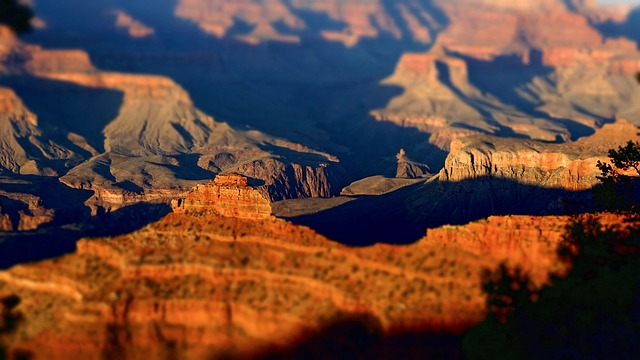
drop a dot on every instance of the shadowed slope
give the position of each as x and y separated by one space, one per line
203 285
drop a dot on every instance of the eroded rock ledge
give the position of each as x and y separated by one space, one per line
569 166
220 276
226 195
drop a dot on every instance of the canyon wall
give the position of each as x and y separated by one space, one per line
226 195
570 166
198 284
362 19
517 68
24 148
132 138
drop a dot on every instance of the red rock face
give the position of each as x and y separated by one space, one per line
226 195
134 27
153 119
568 166
22 212
59 61
218 16
197 284
488 28
362 19
505 40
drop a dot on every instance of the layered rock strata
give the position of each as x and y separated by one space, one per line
226 195
132 138
198 284
361 19
569 166
515 69
409 169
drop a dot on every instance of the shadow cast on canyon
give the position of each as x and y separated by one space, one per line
629 29
55 241
348 336
506 78
360 337
64 108
402 216
50 194
286 90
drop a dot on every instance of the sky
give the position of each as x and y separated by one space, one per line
619 1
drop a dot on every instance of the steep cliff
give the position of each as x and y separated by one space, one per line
197 284
22 212
570 166
515 68
284 180
409 169
226 195
408 20
24 148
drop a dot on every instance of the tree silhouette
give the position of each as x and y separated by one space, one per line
618 191
16 15
625 158
593 312
9 319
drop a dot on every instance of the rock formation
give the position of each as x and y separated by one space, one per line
409 169
24 149
132 138
198 284
22 212
226 195
362 19
508 87
566 69
134 27
569 166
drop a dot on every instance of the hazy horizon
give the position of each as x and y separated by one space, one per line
615 2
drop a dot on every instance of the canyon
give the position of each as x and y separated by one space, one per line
218 276
237 178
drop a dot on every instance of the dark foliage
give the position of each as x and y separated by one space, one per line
625 158
593 312
9 319
618 191
16 15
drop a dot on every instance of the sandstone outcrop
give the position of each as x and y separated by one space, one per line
409 169
226 195
24 149
134 27
5 223
218 16
292 180
22 212
368 19
155 147
57 61
569 166
566 69
197 284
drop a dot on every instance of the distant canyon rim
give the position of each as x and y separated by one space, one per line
146 140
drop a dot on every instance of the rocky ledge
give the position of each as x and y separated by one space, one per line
221 277
226 195
569 166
